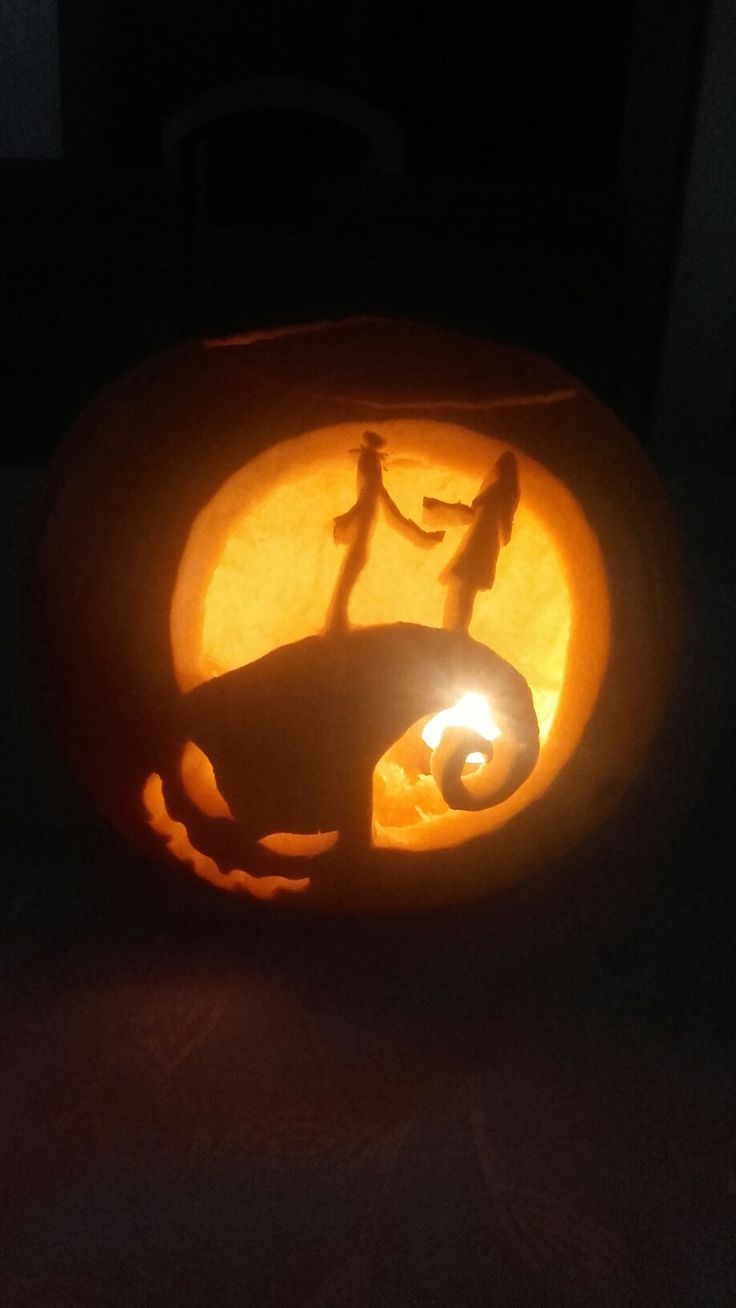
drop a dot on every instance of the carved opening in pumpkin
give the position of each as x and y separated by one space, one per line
261 572
236 880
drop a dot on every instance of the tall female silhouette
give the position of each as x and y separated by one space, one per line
490 517
355 528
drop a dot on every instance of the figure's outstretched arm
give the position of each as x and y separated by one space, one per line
408 526
447 513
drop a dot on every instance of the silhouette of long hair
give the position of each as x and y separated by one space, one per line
490 518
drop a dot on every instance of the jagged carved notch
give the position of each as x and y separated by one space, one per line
357 644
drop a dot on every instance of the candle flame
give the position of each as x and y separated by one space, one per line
472 710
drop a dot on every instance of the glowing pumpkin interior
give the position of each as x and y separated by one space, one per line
260 568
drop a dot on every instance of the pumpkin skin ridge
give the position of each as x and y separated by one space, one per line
636 634
549 396
439 405
457 347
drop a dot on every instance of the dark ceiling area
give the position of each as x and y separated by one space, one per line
526 91
514 170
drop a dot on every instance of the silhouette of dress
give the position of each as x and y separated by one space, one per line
356 526
490 517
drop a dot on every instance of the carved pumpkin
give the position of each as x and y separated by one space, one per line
364 615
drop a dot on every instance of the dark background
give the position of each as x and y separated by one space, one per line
564 179
530 1101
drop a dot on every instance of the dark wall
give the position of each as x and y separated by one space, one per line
545 145
529 88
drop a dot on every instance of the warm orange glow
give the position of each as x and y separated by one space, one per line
198 778
304 845
472 711
260 567
382 617
175 835
260 564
